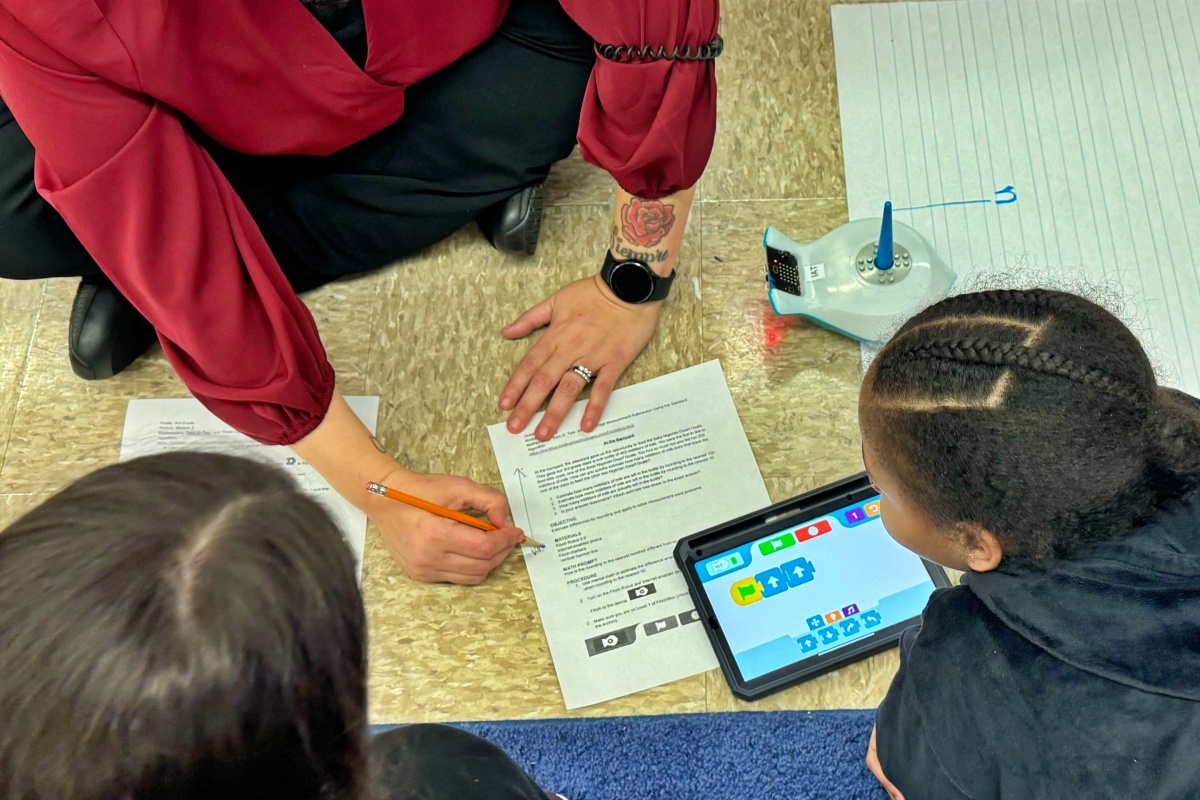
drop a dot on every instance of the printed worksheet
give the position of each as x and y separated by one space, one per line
1056 142
160 426
670 459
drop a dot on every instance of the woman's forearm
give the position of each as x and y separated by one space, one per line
344 452
651 230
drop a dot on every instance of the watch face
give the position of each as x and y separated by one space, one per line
632 282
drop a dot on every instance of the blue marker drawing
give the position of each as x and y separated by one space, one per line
1002 197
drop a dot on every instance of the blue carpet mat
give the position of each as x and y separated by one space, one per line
784 755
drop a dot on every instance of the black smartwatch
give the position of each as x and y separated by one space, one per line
634 281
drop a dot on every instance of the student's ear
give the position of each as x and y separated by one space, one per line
983 548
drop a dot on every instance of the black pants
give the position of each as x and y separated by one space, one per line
437 762
471 136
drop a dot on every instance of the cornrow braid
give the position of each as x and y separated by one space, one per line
1020 305
1056 302
1011 354
1074 442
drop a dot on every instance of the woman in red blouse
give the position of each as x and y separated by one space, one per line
199 162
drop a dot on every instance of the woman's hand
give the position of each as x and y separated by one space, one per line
428 547
589 326
436 550
877 770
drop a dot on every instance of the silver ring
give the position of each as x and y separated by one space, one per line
583 372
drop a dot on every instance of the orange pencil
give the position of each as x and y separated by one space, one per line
434 508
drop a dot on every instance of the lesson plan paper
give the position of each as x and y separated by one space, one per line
670 459
160 426
1056 141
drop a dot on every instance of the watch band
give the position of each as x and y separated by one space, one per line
660 287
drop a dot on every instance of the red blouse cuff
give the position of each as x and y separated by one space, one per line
268 423
649 123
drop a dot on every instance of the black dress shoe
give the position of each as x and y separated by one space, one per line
107 333
513 225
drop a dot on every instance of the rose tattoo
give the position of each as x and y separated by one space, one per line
647 222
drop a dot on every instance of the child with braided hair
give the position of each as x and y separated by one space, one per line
1022 436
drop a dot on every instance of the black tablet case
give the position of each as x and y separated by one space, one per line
735 533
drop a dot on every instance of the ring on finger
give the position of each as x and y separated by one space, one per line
583 372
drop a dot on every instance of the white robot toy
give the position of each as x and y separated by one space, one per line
858 278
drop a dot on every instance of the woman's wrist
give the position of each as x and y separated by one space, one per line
345 454
650 231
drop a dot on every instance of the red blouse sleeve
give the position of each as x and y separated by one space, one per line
650 124
166 227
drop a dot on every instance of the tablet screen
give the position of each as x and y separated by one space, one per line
808 589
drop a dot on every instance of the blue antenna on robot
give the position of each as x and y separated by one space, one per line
885 255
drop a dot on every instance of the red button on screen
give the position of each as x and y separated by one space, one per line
813 529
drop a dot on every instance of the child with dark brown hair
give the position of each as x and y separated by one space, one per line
1022 436
189 627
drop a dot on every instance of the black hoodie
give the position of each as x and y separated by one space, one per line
1077 678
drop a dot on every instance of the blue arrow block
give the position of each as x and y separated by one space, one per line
871 618
808 643
799 571
772 581
850 627
829 635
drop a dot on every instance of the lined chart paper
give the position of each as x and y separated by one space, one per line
1056 140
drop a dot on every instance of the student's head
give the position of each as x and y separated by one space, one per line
1021 423
177 627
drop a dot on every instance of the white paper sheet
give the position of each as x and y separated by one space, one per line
1052 139
159 426
670 459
